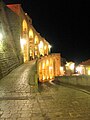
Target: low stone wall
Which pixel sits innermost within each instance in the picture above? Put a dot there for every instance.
(33, 77)
(75, 80)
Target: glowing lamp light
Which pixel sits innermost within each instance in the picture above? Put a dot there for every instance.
(49, 46)
(43, 65)
(45, 47)
(61, 68)
(50, 68)
(23, 42)
(72, 66)
(88, 72)
(1, 36)
(47, 63)
(79, 69)
(40, 45)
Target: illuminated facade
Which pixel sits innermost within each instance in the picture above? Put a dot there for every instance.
(35, 46)
(25, 44)
(69, 68)
(48, 67)
(32, 44)
(84, 68)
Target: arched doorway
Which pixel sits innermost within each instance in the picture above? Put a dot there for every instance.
(24, 41)
(41, 48)
(36, 49)
(31, 43)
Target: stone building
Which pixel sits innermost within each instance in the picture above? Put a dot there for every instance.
(33, 45)
(84, 68)
(49, 67)
(19, 41)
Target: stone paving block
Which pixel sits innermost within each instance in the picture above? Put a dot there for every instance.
(52, 102)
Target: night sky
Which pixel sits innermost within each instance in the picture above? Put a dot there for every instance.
(65, 24)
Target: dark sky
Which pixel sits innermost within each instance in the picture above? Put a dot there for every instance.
(65, 24)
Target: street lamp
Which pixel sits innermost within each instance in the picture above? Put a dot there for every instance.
(49, 46)
(22, 42)
(1, 36)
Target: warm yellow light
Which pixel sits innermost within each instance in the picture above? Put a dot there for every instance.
(79, 69)
(24, 25)
(40, 45)
(36, 39)
(50, 68)
(88, 72)
(72, 66)
(61, 68)
(1, 36)
(43, 77)
(49, 46)
(47, 62)
(45, 47)
(31, 52)
(43, 65)
(23, 42)
(30, 33)
(67, 64)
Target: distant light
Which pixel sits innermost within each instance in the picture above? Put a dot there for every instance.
(88, 72)
(49, 46)
(1, 36)
(61, 68)
(25, 13)
(79, 69)
(72, 66)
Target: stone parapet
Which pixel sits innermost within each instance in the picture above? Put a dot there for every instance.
(82, 80)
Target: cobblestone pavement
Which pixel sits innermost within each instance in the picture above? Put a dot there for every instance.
(50, 102)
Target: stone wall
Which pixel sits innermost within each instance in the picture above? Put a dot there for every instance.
(75, 80)
(10, 55)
